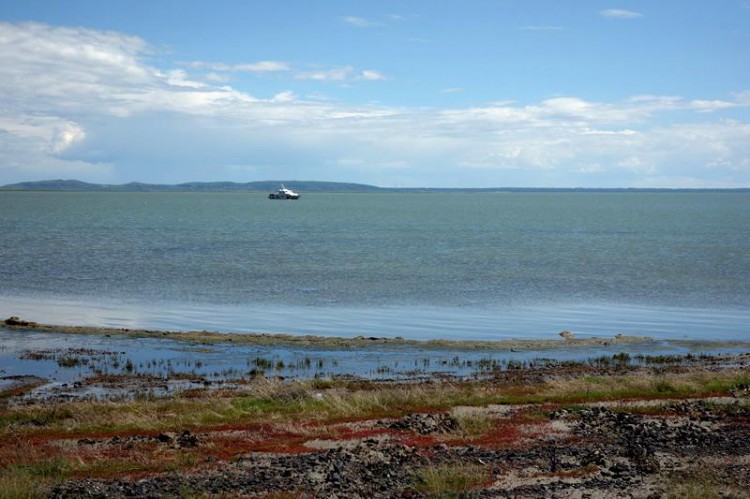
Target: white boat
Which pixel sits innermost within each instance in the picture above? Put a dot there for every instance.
(283, 193)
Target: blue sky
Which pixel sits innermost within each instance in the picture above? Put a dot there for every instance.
(392, 93)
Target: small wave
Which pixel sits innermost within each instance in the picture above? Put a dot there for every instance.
(77, 278)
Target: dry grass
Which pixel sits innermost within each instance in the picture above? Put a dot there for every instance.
(20, 485)
(274, 401)
(30, 479)
(644, 384)
(472, 422)
(451, 480)
(701, 483)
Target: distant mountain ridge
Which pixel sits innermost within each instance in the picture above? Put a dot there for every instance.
(265, 185)
(308, 186)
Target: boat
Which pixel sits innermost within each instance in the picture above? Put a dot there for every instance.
(283, 193)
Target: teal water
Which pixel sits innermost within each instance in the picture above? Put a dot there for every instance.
(418, 265)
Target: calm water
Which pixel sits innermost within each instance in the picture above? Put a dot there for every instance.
(417, 265)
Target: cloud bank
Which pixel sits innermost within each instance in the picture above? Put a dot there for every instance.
(88, 104)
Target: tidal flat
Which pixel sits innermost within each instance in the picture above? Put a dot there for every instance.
(74, 360)
(137, 413)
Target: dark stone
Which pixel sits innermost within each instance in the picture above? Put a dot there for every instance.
(164, 438)
(15, 321)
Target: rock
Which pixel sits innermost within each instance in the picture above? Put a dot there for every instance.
(425, 424)
(619, 469)
(164, 438)
(15, 321)
(187, 439)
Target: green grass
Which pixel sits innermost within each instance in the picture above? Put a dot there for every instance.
(20, 486)
(31, 481)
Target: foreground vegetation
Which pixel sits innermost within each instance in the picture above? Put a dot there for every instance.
(44, 443)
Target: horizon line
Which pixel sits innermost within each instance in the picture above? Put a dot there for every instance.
(44, 185)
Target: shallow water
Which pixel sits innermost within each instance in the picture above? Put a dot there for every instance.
(530, 322)
(45, 354)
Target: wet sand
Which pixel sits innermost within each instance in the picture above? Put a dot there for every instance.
(564, 341)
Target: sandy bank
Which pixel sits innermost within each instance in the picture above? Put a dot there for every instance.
(566, 340)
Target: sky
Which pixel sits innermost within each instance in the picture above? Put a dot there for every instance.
(394, 93)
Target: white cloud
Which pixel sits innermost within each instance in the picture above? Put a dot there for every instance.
(284, 97)
(608, 132)
(217, 71)
(371, 75)
(68, 135)
(620, 14)
(77, 102)
(34, 148)
(358, 22)
(48, 134)
(217, 77)
(711, 105)
(333, 74)
(179, 78)
(250, 67)
(340, 74)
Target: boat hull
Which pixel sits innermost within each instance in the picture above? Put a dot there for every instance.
(283, 193)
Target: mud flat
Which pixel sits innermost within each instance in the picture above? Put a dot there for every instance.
(566, 339)
(615, 425)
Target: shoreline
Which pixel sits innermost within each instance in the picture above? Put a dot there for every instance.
(566, 340)
(417, 321)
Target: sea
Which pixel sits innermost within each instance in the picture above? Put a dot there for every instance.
(419, 265)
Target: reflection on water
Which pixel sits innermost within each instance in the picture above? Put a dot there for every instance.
(529, 322)
(61, 358)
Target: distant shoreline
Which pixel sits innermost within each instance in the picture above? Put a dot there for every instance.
(313, 187)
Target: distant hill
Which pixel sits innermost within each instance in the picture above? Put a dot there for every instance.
(304, 186)
(266, 185)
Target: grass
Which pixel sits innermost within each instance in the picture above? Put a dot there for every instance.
(472, 423)
(272, 400)
(31, 480)
(15, 484)
(705, 482)
(447, 481)
(68, 361)
(644, 385)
